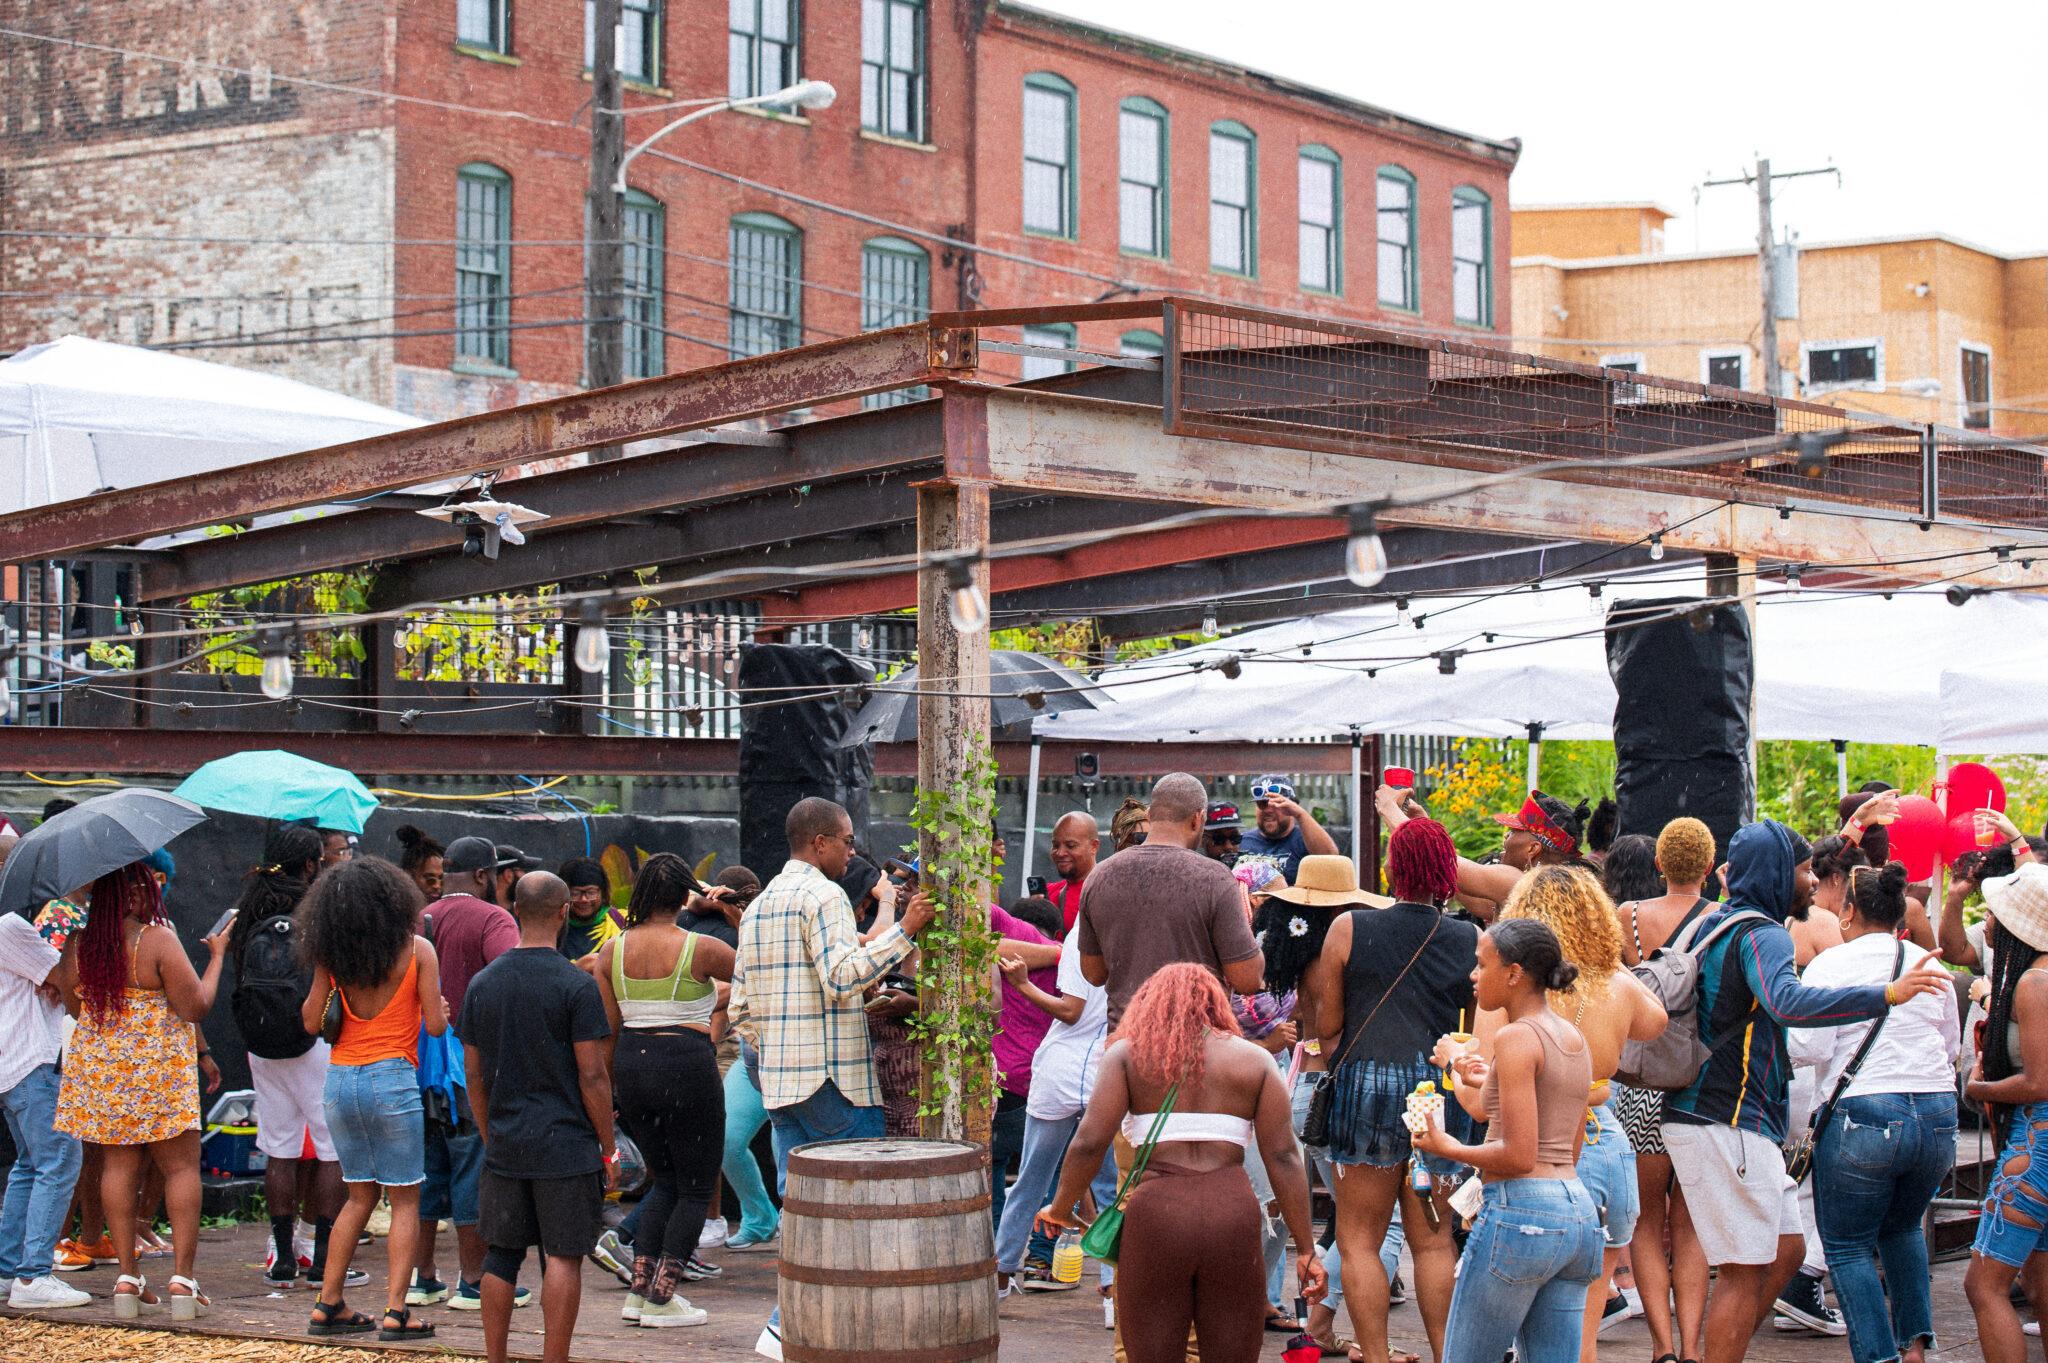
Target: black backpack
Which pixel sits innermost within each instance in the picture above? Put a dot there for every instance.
(270, 986)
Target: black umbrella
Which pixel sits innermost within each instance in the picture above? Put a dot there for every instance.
(85, 842)
(1016, 679)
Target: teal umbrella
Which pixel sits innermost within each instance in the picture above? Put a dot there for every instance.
(272, 784)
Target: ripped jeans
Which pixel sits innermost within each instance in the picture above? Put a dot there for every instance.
(1877, 1165)
(2016, 1211)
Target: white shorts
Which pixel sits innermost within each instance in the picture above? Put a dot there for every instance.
(1736, 1189)
(290, 1101)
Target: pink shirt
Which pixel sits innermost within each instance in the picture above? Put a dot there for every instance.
(1022, 1024)
(468, 935)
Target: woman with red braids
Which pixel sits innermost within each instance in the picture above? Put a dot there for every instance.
(131, 1075)
(1190, 1249)
(1389, 983)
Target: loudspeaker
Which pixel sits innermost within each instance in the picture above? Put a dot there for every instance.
(1681, 717)
(790, 751)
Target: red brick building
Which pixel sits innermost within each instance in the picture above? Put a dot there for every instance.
(389, 198)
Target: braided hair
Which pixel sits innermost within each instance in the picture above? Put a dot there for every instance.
(103, 965)
(291, 858)
(663, 886)
(1289, 956)
(2010, 959)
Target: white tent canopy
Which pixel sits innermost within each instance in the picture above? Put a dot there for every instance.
(78, 415)
(1828, 666)
(1995, 707)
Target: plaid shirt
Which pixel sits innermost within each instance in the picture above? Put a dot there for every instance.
(796, 990)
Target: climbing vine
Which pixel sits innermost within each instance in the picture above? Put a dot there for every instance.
(955, 1023)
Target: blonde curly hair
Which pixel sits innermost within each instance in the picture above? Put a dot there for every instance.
(1570, 901)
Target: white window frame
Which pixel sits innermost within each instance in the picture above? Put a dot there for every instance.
(1963, 393)
(1735, 353)
(1810, 389)
(1628, 392)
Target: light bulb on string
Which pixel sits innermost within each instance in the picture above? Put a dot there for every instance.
(1656, 548)
(1365, 553)
(1209, 623)
(276, 679)
(1594, 605)
(867, 638)
(2008, 571)
(1795, 574)
(966, 607)
(593, 640)
(1401, 609)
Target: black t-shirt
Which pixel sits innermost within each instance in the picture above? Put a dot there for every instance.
(522, 1017)
(713, 925)
(1430, 996)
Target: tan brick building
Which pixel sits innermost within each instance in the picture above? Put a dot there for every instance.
(1926, 328)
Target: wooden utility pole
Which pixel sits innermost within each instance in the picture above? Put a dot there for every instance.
(952, 717)
(604, 254)
(1766, 260)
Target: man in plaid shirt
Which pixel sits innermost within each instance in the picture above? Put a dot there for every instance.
(796, 996)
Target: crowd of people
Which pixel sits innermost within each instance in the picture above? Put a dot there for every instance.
(1567, 1085)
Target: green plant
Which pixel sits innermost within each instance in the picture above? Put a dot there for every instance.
(955, 1022)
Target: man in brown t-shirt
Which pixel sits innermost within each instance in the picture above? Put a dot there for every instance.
(1161, 902)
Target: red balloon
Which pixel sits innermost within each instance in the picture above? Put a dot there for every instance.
(1916, 836)
(1972, 785)
(1960, 837)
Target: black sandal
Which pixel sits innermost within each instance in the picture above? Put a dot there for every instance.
(1665, 1358)
(408, 1328)
(337, 1319)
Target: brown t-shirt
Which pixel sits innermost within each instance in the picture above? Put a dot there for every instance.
(1155, 904)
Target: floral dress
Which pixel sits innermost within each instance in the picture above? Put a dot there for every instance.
(130, 1077)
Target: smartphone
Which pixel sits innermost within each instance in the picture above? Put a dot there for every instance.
(1034, 885)
(896, 866)
(220, 924)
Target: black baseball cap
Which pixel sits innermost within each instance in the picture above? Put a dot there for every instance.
(510, 856)
(481, 854)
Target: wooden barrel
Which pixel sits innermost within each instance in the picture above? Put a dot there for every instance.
(887, 1254)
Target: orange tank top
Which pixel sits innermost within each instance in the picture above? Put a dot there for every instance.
(393, 1034)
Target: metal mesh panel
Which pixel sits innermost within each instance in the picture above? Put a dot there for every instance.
(1982, 481)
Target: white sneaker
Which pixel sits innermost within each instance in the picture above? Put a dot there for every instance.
(713, 1234)
(2032, 1327)
(769, 1345)
(47, 1293)
(675, 1311)
(631, 1311)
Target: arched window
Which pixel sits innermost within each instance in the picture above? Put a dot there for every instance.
(766, 296)
(1233, 198)
(1320, 225)
(1395, 198)
(483, 265)
(1049, 155)
(1471, 256)
(1142, 177)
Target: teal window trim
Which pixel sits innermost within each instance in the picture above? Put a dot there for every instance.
(887, 266)
(1049, 334)
(1141, 342)
(1069, 202)
(748, 287)
(881, 75)
(1162, 193)
(1249, 211)
(1315, 151)
(643, 262)
(748, 50)
(493, 34)
(1411, 253)
(483, 264)
(1470, 196)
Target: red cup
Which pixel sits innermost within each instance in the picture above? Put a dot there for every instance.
(1400, 778)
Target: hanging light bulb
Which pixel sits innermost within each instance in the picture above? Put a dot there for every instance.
(965, 605)
(1209, 623)
(867, 638)
(1401, 609)
(276, 680)
(1594, 605)
(1365, 553)
(1794, 573)
(732, 664)
(2008, 571)
(1656, 548)
(593, 641)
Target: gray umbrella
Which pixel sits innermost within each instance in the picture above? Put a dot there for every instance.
(891, 715)
(82, 844)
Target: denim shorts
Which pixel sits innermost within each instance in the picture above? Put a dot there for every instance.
(373, 1113)
(1999, 1235)
(1607, 1166)
(1366, 1111)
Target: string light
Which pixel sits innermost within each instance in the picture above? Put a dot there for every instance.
(965, 604)
(2008, 571)
(1365, 553)
(866, 638)
(1231, 667)
(1656, 548)
(1594, 605)
(1401, 609)
(1209, 624)
(593, 641)
(1795, 575)
(273, 648)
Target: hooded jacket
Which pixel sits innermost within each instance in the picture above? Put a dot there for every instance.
(1750, 992)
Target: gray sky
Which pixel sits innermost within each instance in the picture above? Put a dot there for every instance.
(1932, 111)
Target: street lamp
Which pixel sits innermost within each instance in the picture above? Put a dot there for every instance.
(805, 94)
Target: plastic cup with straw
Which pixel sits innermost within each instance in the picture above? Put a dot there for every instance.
(1463, 1038)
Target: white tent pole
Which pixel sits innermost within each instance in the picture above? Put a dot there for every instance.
(1841, 767)
(1535, 755)
(1357, 798)
(1031, 808)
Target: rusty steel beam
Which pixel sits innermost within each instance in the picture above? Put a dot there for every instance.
(869, 363)
(1083, 446)
(136, 752)
(711, 471)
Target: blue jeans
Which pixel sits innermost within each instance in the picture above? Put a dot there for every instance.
(744, 1117)
(39, 1186)
(1874, 1171)
(827, 1115)
(1045, 1147)
(1005, 1147)
(1533, 1253)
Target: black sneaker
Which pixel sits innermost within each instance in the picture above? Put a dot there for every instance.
(1803, 1306)
(1397, 1291)
(1614, 1313)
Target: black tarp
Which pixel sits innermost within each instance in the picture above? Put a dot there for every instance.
(790, 752)
(1681, 719)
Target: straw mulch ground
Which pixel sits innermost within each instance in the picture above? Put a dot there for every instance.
(25, 1340)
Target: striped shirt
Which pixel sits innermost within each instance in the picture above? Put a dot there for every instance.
(796, 990)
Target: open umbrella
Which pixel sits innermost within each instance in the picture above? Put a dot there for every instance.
(273, 784)
(83, 843)
(891, 716)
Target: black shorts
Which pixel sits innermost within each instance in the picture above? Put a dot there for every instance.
(564, 1216)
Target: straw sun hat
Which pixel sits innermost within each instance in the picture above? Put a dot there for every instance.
(2020, 903)
(1325, 882)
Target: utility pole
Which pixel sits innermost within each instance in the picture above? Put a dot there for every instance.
(1766, 259)
(604, 256)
